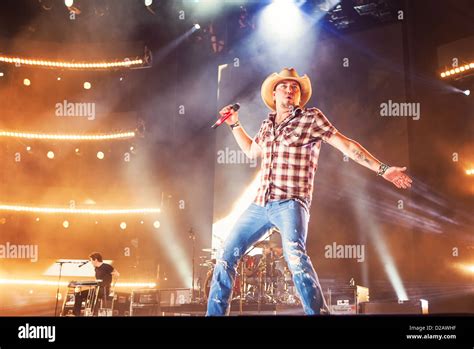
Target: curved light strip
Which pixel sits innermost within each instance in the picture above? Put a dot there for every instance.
(65, 283)
(34, 209)
(72, 65)
(457, 71)
(67, 137)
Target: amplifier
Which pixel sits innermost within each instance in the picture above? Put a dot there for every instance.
(347, 299)
(405, 307)
(121, 304)
(175, 296)
(145, 302)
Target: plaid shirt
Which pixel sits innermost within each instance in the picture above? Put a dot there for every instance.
(290, 154)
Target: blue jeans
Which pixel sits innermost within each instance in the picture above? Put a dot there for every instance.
(291, 218)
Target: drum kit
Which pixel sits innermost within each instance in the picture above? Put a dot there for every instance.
(262, 276)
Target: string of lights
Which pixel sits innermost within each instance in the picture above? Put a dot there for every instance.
(457, 71)
(69, 137)
(69, 210)
(125, 63)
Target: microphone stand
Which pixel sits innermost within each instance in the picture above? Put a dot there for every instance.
(57, 290)
(59, 281)
(192, 236)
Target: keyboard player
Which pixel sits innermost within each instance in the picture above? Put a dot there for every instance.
(104, 272)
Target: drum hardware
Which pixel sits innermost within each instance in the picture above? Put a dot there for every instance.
(260, 278)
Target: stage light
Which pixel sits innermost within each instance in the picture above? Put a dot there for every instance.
(220, 229)
(68, 3)
(68, 210)
(50, 154)
(100, 155)
(26, 82)
(123, 225)
(156, 224)
(66, 224)
(119, 63)
(59, 78)
(467, 92)
(1, 74)
(28, 148)
(470, 172)
(142, 222)
(197, 26)
(459, 70)
(77, 151)
(66, 137)
(15, 281)
(467, 268)
(148, 2)
(281, 20)
(470, 268)
(37, 219)
(87, 85)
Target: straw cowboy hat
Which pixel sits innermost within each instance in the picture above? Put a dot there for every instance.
(272, 80)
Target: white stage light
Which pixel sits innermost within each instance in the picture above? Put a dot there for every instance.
(282, 20)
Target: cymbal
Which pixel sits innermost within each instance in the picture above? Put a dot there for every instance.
(266, 243)
(209, 250)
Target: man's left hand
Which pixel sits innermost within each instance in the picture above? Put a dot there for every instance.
(397, 177)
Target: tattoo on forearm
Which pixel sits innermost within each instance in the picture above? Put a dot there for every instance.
(360, 157)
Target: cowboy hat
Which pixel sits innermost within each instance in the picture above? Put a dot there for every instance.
(272, 80)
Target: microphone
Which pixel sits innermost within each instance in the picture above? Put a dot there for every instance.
(83, 263)
(235, 107)
(296, 110)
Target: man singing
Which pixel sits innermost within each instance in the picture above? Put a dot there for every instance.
(289, 141)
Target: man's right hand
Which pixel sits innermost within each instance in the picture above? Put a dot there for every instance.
(233, 118)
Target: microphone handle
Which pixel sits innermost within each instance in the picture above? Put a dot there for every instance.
(235, 107)
(221, 120)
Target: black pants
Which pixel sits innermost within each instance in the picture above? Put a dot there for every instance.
(79, 297)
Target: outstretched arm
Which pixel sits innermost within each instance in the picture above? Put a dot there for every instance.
(360, 155)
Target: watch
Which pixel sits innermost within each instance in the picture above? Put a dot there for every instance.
(382, 169)
(235, 125)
